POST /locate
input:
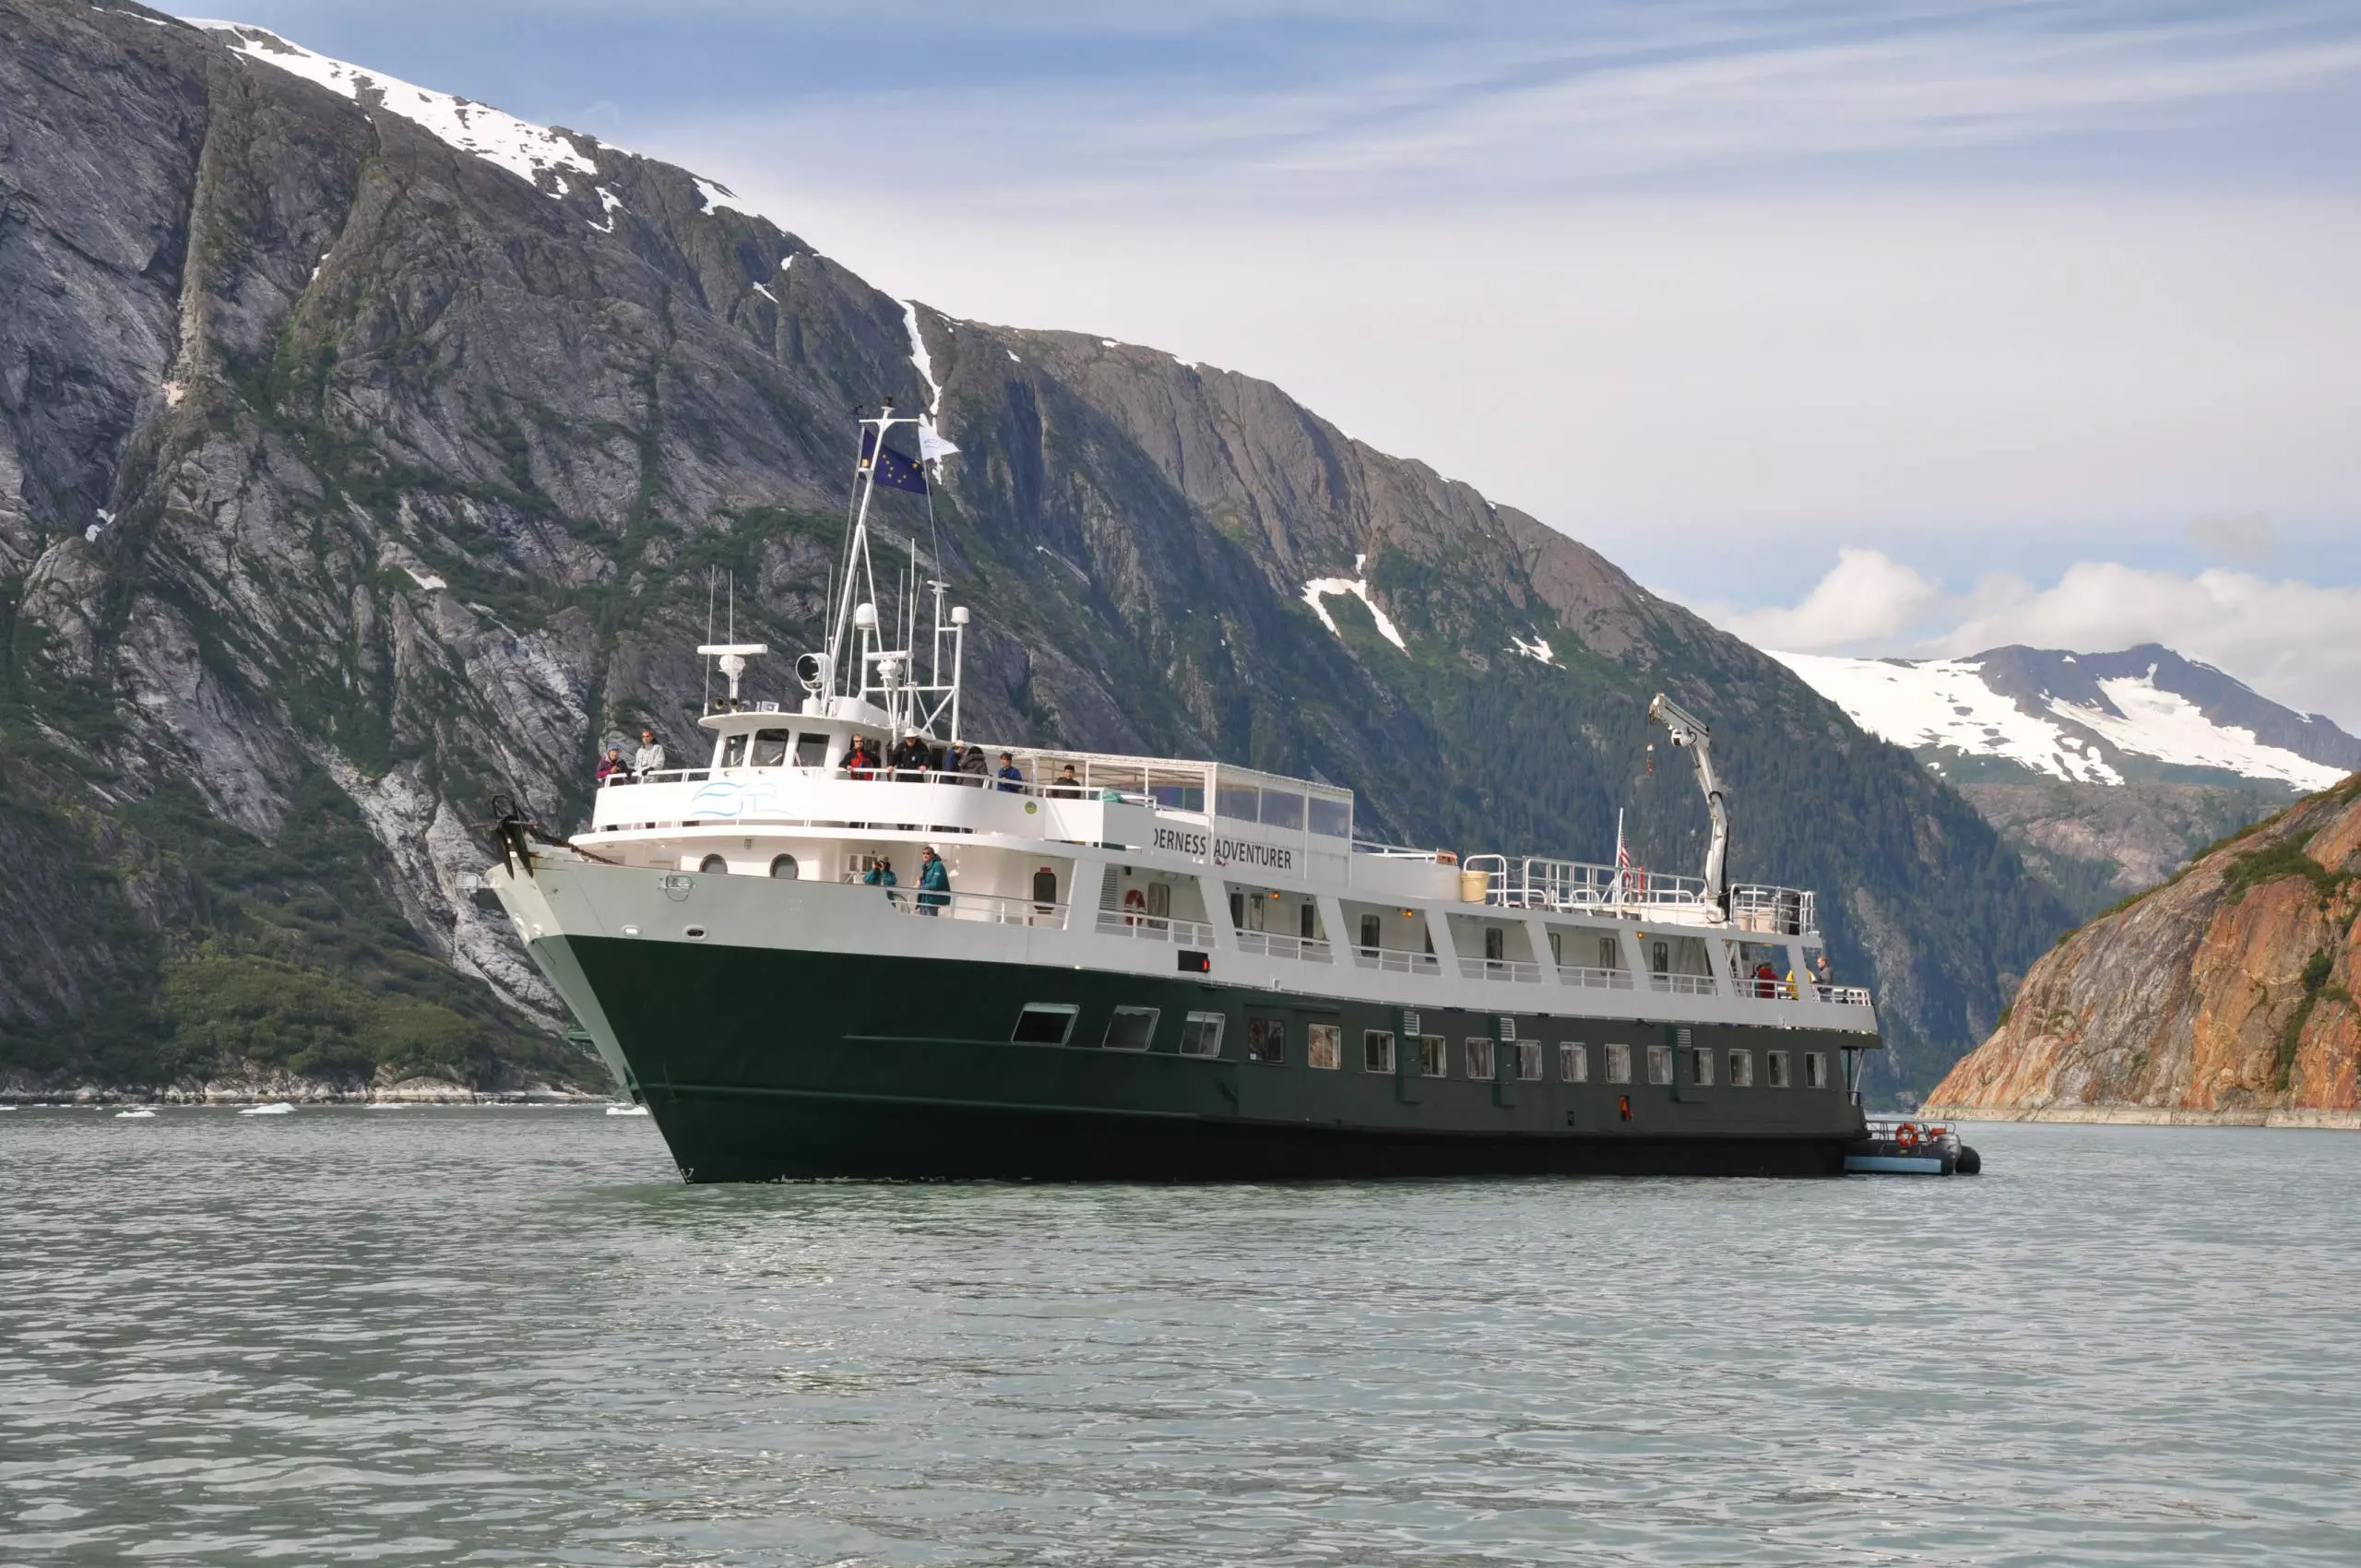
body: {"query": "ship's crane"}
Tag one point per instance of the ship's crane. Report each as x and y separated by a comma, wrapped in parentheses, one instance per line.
(1686, 729)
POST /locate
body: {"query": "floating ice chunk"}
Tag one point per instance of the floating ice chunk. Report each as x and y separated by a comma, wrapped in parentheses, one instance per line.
(139, 1115)
(626, 1111)
(276, 1108)
(1319, 589)
(525, 150)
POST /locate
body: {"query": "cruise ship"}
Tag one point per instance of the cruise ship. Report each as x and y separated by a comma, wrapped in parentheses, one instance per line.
(1142, 968)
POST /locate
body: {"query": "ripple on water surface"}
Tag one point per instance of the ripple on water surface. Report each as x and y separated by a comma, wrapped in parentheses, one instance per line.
(508, 1334)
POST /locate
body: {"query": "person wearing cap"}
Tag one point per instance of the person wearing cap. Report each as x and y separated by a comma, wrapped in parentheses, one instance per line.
(934, 882)
(612, 763)
(911, 758)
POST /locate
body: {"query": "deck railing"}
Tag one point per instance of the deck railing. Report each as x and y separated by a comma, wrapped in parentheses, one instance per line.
(1394, 961)
(1682, 985)
(1154, 928)
(1276, 946)
(1501, 970)
(1597, 980)
(990, 908)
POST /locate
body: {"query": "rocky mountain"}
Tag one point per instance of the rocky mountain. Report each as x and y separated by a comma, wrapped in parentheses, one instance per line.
(2226, 996)
(2105, 771)
(363, 448)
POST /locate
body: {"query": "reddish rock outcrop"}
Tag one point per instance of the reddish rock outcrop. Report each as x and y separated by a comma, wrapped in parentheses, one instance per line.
(2225, 995)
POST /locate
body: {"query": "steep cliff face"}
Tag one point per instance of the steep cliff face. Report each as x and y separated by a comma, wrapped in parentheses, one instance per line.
(2226, 994)
(362, 449)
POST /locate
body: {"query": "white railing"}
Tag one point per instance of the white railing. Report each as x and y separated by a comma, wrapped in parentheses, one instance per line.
(1402, 852)
(1529, 882)
(990, 908)
(1682, 985)
(1394, 961)
(1501, 970)
(1779, 911)
(1846, 995)
(1597, 980)
(1154, 928)
(1278, 946)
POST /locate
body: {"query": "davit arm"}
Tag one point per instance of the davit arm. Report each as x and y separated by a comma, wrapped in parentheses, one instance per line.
(1686, 729)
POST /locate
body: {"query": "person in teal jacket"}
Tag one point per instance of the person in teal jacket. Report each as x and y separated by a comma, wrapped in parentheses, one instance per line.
(934, 882)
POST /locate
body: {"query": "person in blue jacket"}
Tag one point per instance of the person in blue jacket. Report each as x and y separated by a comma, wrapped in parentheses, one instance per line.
(1012, 777)
(934, 882)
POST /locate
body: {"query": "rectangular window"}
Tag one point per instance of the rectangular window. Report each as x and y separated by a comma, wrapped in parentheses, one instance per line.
(1741, 1069)
(1815, 1070)
(1282, 809)
(1775, 1068)
(1618, 1063)
(1377, 1051)
(1236, 802)
(734, 751)
(1372, 930)
(811, 750)
(1045, 1023)
(1332, 819)
(1528, 1059)
(1267, 1039)
(1325, 1045)
(1433, 1061)
(1200, 1035)
(1495, 943)
(1610, 954)
(770, 749)
(1479, 1058)
(1659, 1064)
(1700, 1068)
(1573, 1063)
(1308, 921)
(1131, 1029)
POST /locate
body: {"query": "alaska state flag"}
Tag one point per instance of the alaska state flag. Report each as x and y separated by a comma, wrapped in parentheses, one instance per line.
(891, 469)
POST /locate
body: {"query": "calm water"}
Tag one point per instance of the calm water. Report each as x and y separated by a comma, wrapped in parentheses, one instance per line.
(508, 1336)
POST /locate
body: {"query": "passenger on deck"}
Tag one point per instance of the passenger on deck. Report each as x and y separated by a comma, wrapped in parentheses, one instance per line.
(649, 759)
(1067, 785)
(881, 875)
(1766, 980)
(1012, 777)
(860, 762)
(612, 763)
(912, 758)
(1824, 978)
(934, 882)
(973, 766)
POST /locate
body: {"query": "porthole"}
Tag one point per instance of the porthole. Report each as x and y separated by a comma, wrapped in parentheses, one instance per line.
(714, 865)
(783, 868)
(694, 933)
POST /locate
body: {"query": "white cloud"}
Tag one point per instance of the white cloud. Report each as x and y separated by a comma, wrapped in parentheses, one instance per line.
(2296, 642)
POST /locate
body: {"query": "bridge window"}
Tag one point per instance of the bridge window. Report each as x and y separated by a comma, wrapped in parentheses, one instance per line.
(1659, 1064)
(784, 868)
(1573, 1063)
(1267, 1040)
(1045, 1023)
(1618, 1063)
(1377, 1051)
(1131, 1029)
(1741, 1069)
(1200, 1035)
(1433, 1060)
(1325, 1045)
(812, 749)
(769, 748)
(714, 865)
(1528, 1059)
(1479, 1058)
(1774, 1065)
(1815, 1070)
(734, 751)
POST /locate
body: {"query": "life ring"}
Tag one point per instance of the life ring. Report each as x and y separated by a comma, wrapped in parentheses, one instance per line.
(1134, 907)
(1907, 1135)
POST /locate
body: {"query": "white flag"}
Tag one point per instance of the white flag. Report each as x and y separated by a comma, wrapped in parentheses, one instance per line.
(931, 445)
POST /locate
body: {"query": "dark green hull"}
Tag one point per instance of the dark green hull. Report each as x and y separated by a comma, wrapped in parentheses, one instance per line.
(759, 1064)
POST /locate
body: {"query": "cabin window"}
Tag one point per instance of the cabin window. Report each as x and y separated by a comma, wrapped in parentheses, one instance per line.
(1433, 1060)
(784, 868)
(1309, 921)
(1815, 1070)
(1741, 1069)
(1775, 1068)
(1659, 1064)
(1267, 1040)
(1618, 1063)
(1283, 809)
(1131, 1029)
(734, 751)
(1479, 1058)
(1045, 1023)
(1200, 1035)
(1660, 958)
(1573, 1063)
(714, 865)
(769, 748)
(1372, 930)
(1377, 1051)
(1496, 942)
(1331, 819)
(812, 749)
(1528, 1059)
(1610, 956)
(1044, 888)
(1700, 1068)
(1236, 802)
(1325, 1045)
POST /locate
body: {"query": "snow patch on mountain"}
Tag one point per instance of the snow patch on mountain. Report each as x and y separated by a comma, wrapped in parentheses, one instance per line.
(2170, 728)
(525, 150)
(922, 362)
(1943, 702)
(1537, 650)
(1319, 589)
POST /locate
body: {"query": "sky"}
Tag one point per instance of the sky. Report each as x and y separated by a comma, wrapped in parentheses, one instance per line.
(1896, 330)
